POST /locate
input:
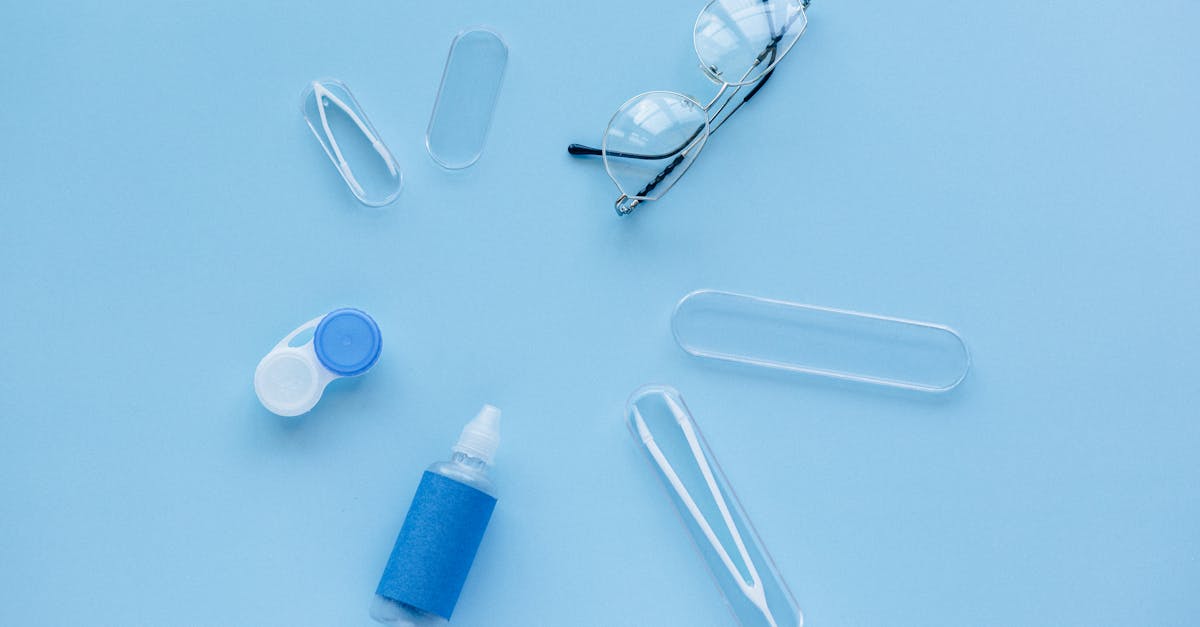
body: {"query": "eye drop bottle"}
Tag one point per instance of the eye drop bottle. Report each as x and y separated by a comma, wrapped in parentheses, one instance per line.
(442, 531)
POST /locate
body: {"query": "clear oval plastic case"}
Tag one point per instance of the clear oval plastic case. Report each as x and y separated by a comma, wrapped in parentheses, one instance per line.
(837, 343)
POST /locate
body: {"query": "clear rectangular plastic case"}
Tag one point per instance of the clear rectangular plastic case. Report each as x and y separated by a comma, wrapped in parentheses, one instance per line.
(351, 142)
(776, 334)
(754, 590)
(462, 115)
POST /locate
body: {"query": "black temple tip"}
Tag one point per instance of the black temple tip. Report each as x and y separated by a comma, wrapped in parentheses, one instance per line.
(580, 149)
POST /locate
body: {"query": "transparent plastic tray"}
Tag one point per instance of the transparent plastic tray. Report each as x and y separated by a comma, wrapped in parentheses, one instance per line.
(819, 340)
(754, 590)
(467, 97)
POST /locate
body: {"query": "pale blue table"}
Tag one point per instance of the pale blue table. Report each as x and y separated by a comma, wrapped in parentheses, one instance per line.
(1026, 173)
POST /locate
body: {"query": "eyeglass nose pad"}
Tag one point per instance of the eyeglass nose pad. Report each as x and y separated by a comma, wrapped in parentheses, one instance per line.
(625, 205)
(712, 73)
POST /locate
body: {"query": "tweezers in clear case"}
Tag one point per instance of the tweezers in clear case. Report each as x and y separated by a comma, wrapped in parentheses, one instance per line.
(754, 590)
(351, 142)
(467, 97)
(836, 343)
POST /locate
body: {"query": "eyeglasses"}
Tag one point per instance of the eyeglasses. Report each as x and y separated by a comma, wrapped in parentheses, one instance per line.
(655, 137)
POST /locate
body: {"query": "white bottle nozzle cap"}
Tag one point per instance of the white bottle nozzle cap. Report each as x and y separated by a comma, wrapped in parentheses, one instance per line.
(481, 437)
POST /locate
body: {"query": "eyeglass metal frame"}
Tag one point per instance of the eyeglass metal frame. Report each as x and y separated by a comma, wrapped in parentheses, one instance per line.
(771, 54)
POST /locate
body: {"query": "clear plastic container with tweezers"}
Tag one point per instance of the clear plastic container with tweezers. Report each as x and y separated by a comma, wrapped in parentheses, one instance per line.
(351, 142)
(837, 343)
(754, 590)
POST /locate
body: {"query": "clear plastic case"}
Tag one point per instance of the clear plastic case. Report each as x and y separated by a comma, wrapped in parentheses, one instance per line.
(754, 590)
(466, 98)
(351, 142)
(819, 340)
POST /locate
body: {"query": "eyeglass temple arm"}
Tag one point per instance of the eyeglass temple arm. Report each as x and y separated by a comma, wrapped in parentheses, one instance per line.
(581, 150)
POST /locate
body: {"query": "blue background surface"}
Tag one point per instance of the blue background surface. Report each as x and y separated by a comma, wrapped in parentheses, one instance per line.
(1026, 173)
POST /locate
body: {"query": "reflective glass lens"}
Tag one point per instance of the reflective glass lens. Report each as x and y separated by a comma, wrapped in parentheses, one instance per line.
(651, 141)
(740, 40)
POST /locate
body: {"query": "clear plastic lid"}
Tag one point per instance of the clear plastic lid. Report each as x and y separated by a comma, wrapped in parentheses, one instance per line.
(351, 142)
(753, 588)
(819, 340)
(467, 97)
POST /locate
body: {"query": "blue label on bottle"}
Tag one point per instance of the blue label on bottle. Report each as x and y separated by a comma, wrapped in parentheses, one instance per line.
(437, 545)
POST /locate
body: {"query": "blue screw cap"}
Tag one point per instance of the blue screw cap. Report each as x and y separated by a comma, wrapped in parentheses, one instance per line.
(347, 342)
